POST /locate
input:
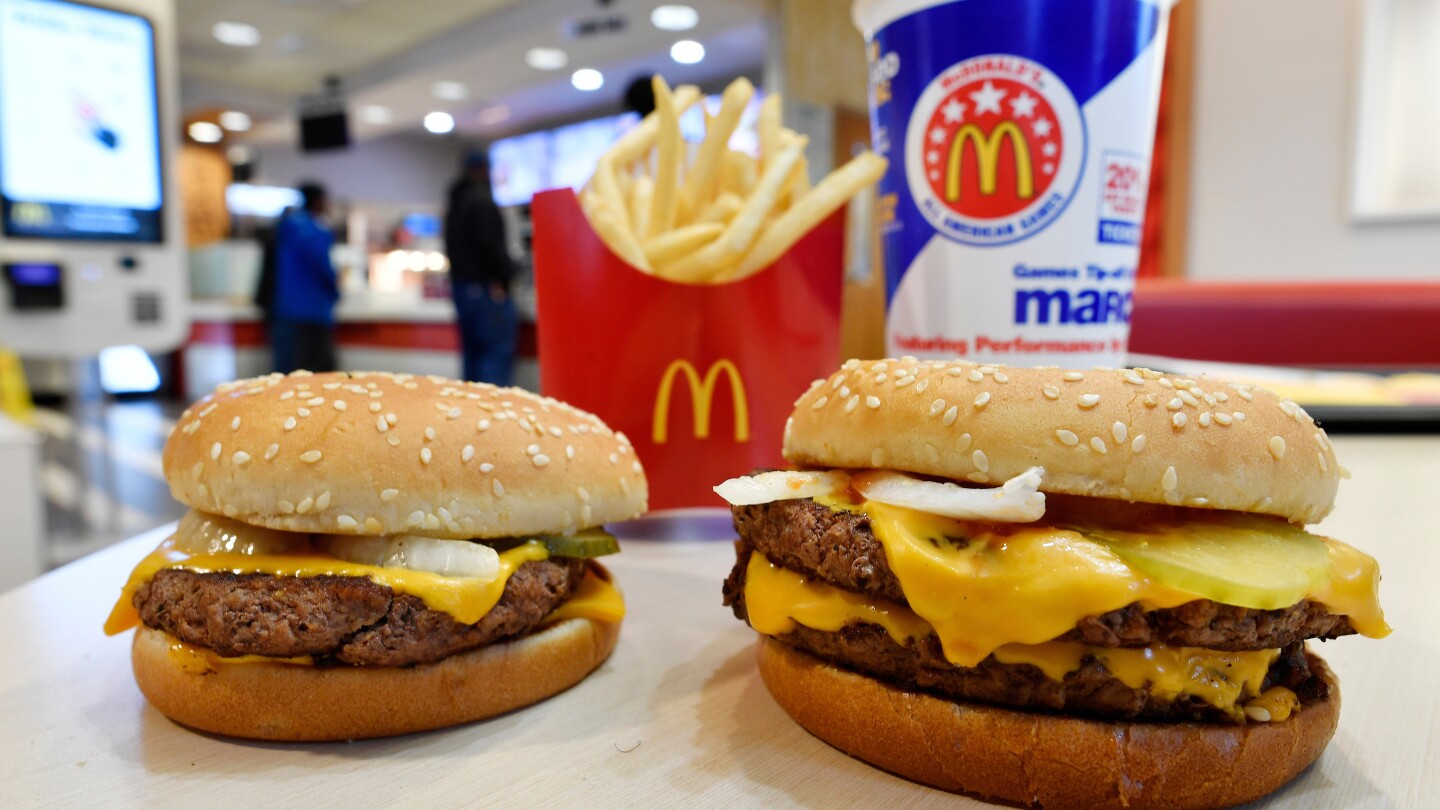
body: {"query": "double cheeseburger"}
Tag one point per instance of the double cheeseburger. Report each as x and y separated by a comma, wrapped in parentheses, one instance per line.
(376, 554)
(1050, 587)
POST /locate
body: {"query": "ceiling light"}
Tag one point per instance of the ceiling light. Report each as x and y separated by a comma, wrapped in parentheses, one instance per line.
(439, 122)
(491, 116)
(234, 120)
(206, 132)
(241, 35)
(674, 18)
(546, 58)
(687, 52)
(376, 114)
(449, 91)
(587, 79)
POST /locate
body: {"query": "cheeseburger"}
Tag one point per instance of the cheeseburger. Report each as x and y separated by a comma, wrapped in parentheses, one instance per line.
(1049, 587)
(376, 554)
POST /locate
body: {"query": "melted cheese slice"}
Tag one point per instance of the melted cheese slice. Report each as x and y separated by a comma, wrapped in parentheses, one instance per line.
(777, 599)
(467, 600)
(985, 585)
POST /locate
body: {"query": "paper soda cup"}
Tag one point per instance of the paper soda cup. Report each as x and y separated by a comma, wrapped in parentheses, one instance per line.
(701, 377)
(1019, 138)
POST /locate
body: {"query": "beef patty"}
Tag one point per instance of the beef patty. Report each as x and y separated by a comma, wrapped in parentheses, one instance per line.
(1089, 691)
(839, 548)
(341, 620)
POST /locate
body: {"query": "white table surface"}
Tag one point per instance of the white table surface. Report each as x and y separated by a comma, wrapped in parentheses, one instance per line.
(676, 717)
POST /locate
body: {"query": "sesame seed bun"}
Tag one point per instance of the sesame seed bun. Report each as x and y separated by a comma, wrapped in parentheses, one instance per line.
(1129, 434)
(296, 702)
(1030, 758)
(379, 454)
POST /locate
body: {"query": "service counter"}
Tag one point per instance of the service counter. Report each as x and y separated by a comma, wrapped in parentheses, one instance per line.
(379, 332)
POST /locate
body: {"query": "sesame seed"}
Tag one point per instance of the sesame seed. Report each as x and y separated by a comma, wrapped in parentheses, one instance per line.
(1198, 501)
(904, 381)
(569, 451)
(532, 449)
(1238, 416)
(954, 371)
(982, 400)
(1165, 383)
(1088, 400)
(376, 394)
(1324, 465)
(1151, 401)
(304, 506)
(339, 404)
(1189, 398)
(1257, 714)
(877, 457)
(486, 467)
(625, 485)
(937, 406)
(819, 403)
(500, 490)
(483, 425)
(1224, 419)
(391, 419)
(381, 425)
(1169, 480)
(1050, 392)
(197, 469)
(190, 428)
(1277, 447)
(424, 455)
(303, 411)
(525, 425)
(235, 423)
(872, 402)
(345, 522)
(932, 453)
(1245, 394)
(330, 386)
(836, 382)
(429, 434)
(416, 518)
(316, 401)
(964, 443)
(240, 457)
(323, 502)
(215, 451)
(978, 477)
(453, 413)
(1133, 378)
(1073, 376)
(975, 375)
(310, 456)
(614, 458)
(388, 494)
(922, 385)
(393, 440)
(1205, 419)
(851, 403)
(1001, 377)
(1175, 404)
(375, 408)
(982, 461)
(1098, 444)
(1067, 438)
(271, 451)
(207, 410)
(540, 460)
(1119, 431)
(467, 453)
(286, 507)
(1179, 420)
(949, 418)
(287, 395)
(880, 378)
(373, 526)
(203, 490)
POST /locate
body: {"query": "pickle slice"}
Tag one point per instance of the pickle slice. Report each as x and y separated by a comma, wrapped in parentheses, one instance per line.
(589, 543)
(594, 542)
(1240, 560)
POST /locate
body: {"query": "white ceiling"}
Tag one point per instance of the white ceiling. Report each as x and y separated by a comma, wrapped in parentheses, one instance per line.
(389, 52)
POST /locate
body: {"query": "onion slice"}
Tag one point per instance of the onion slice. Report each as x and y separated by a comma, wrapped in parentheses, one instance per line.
(1017, 501)
(204, 534)
(448, 558)
(783, 485)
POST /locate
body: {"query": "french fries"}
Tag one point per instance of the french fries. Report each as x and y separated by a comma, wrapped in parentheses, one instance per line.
(725, 214)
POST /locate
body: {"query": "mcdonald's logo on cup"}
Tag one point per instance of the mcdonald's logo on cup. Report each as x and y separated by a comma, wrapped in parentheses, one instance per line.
(994, 149)
(702, 397)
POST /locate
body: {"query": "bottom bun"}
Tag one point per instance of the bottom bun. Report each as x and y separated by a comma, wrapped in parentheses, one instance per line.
(1028, 758)
(295, 702)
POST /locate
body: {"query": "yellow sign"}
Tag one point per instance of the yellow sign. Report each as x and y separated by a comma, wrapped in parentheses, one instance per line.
(702, 392)
(987, 155)
(14, 393)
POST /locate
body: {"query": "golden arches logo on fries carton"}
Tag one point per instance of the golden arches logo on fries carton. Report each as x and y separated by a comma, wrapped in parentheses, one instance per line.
(690, 294)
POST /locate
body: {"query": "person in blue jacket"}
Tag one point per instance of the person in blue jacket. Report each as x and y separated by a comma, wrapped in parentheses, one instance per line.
(302, 327)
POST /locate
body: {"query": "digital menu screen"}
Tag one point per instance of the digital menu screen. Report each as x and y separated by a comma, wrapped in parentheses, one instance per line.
(79, 123)
(519, 167)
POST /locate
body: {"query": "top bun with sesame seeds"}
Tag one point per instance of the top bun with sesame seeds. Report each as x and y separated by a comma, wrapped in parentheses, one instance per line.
(1128, 434)
(387, 454)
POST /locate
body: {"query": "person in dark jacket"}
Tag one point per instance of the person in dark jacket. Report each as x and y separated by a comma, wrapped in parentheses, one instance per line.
(302, 314)
(480, 275)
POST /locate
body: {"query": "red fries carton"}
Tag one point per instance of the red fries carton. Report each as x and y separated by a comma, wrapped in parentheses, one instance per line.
(701, 377)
